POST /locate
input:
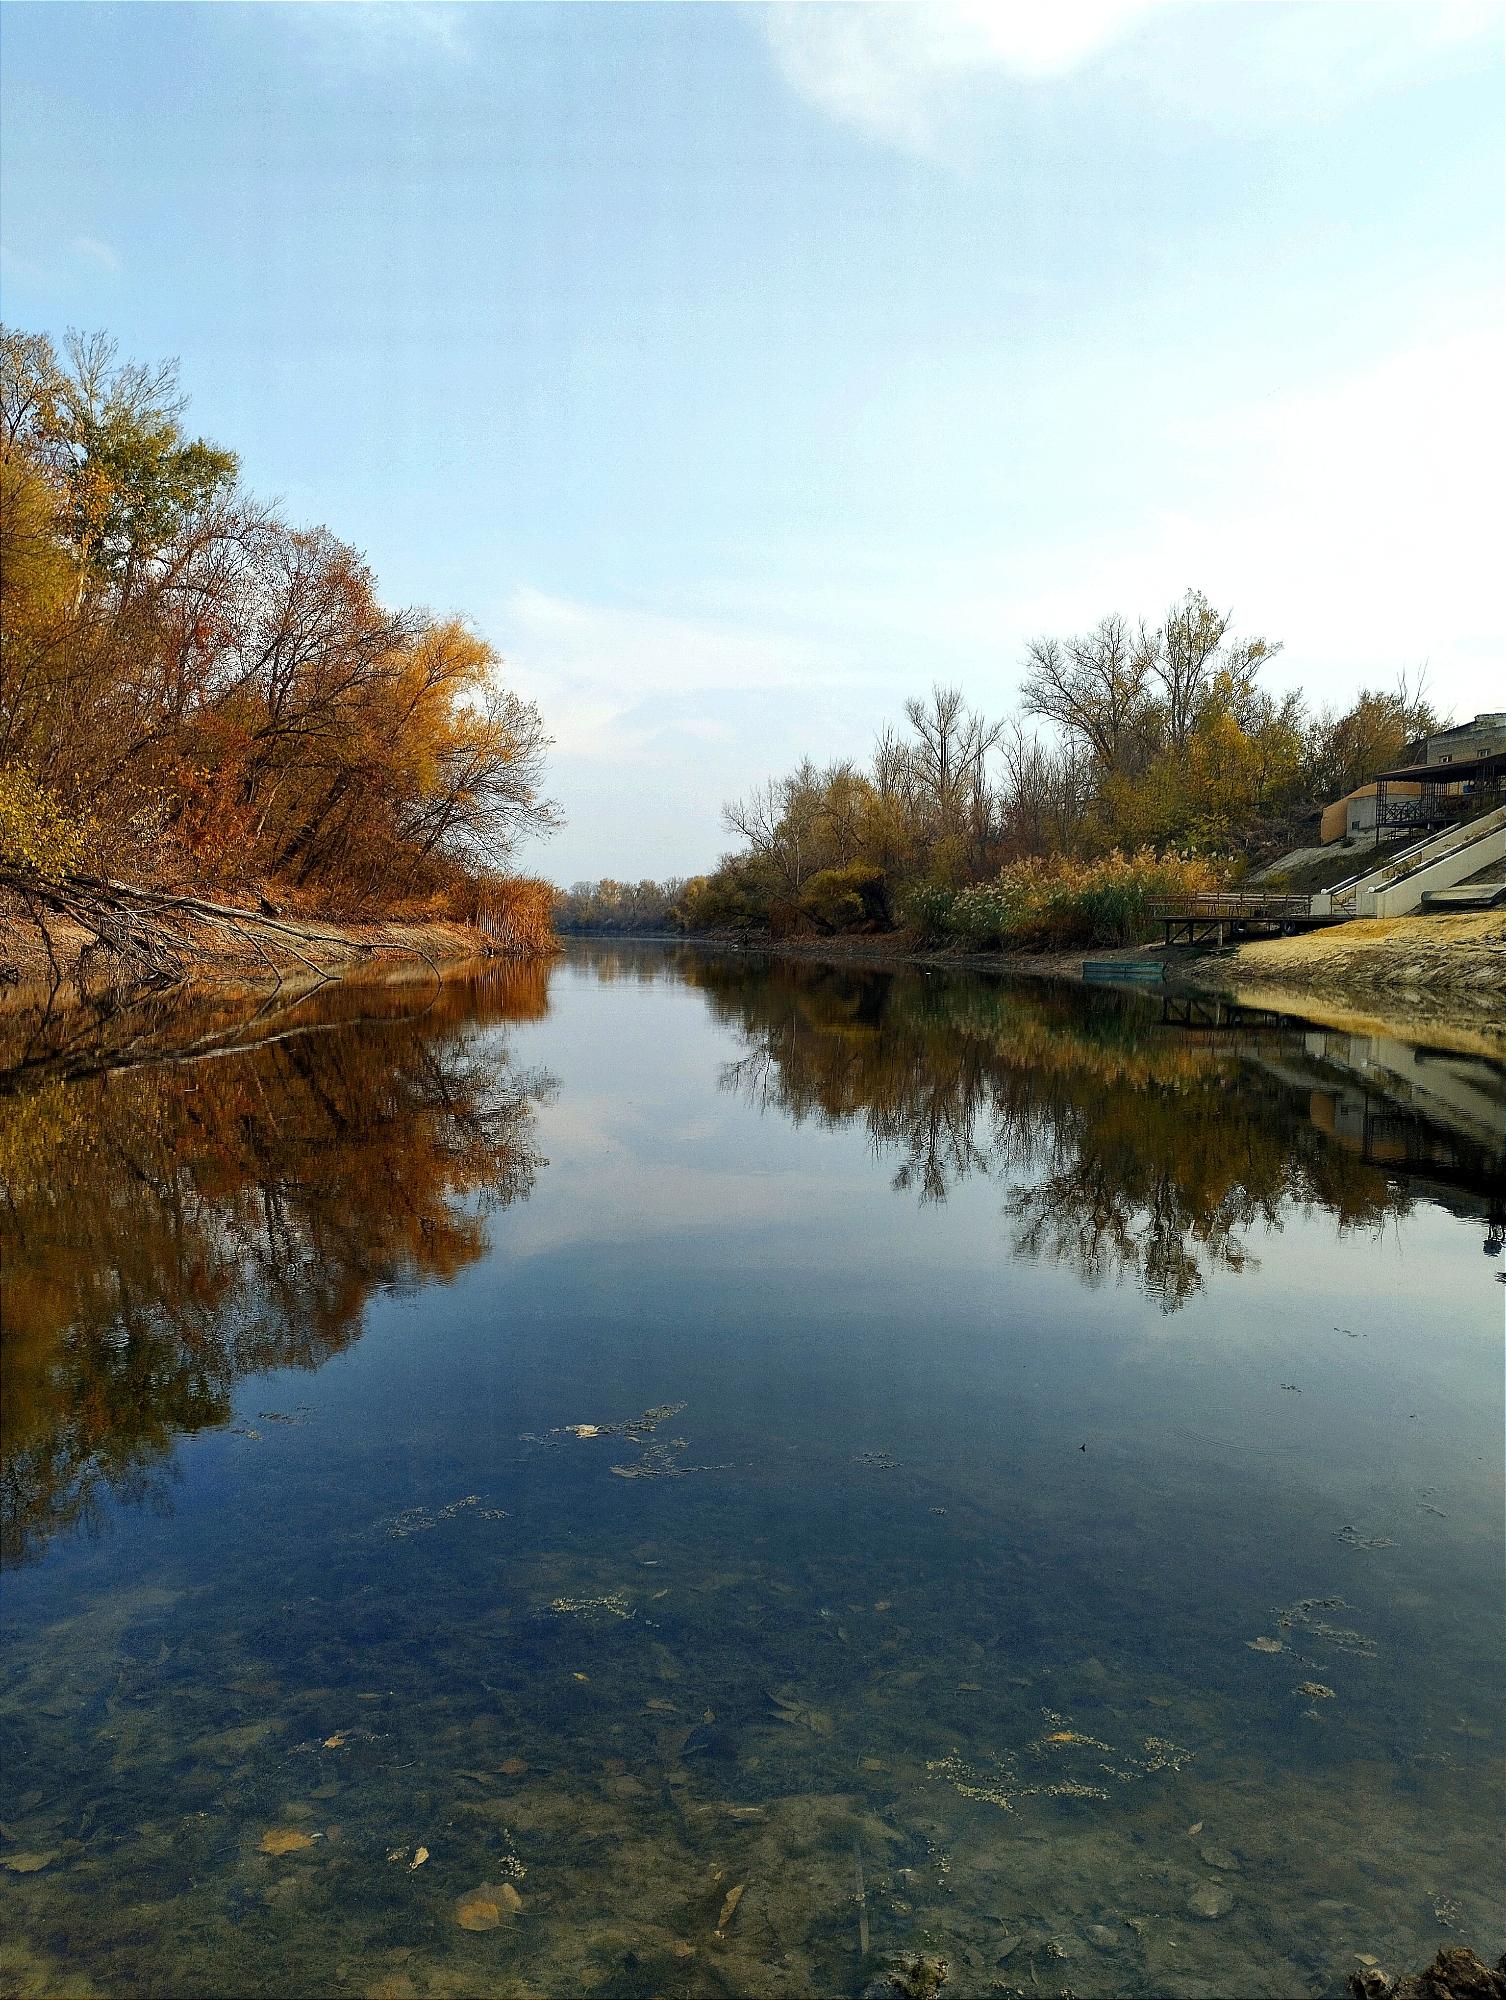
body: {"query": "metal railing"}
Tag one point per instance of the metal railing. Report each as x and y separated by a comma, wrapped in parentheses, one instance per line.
(1211, 903)
(1344, 896)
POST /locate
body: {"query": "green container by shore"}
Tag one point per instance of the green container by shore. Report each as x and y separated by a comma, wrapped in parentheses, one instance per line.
(1123, 968)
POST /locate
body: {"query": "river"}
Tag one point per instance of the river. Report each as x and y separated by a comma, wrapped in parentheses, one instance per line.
(677, 1473)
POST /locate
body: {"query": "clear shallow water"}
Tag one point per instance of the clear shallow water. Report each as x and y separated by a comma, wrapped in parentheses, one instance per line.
(303, 1538)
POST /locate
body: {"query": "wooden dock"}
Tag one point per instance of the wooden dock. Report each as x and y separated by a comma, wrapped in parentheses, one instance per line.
(1225, 919)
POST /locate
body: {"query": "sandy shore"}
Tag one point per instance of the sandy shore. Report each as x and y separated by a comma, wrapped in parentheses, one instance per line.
(1453, 961)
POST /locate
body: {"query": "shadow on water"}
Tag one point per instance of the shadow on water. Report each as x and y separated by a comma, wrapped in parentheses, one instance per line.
(896, 1485)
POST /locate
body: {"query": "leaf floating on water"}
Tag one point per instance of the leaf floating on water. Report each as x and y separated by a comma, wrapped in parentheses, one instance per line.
(1264, 1645)
(286, 1840)
(340, 1737)
(28, 1864)
(420, 1856)
(1315, 1691)
(1195, 1828)
(397, 1854)
(729, 1907)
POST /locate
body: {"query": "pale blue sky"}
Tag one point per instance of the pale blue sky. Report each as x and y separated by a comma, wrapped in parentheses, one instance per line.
(743, 369)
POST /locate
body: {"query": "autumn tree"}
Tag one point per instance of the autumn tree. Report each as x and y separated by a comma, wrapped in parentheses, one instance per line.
(1094, 687)
(1376, 731)
(223, 695)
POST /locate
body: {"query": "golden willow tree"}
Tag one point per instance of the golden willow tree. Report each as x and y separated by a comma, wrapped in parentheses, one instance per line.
(194, 692)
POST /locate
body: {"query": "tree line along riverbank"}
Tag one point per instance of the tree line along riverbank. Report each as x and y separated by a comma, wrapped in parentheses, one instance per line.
(216, 740)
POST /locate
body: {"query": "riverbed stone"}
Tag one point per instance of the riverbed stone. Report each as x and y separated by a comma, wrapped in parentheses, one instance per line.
(1209, 1900)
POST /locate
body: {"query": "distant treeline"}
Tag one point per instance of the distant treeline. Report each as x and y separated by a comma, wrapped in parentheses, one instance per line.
(620, 909)
(195, 691)
(1167, 767)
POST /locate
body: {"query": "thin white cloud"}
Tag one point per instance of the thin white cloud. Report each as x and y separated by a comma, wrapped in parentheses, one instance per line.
(379, 33)
(898, 69)
(1360, 521)
(906, 71)
(616, 682)
(97, 251)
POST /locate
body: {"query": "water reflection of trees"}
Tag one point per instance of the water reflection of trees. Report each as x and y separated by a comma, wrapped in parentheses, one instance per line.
(1125, 1149)
(192, 1197)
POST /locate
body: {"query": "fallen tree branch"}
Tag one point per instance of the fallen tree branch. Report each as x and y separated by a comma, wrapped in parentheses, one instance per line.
(139, 925)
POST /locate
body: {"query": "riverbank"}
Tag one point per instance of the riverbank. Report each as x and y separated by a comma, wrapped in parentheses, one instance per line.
(875, 950)
(251, 950)
(1459, 958)
(1454, 962)
(1450, 968)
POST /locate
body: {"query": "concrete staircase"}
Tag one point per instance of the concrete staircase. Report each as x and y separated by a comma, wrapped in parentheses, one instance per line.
(1407, 882)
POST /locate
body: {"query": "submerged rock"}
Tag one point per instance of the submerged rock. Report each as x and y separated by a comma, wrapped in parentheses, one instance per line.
(1218, 1857)
(1210, 1899)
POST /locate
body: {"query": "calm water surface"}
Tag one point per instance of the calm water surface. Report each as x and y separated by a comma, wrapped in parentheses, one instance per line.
(1000, 1471)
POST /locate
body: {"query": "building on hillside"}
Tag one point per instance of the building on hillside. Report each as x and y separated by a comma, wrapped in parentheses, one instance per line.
(1353, 816)
(1466, 740)
(1446, 776)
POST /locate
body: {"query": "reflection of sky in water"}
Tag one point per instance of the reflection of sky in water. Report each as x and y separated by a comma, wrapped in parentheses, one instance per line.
(680, 1246)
